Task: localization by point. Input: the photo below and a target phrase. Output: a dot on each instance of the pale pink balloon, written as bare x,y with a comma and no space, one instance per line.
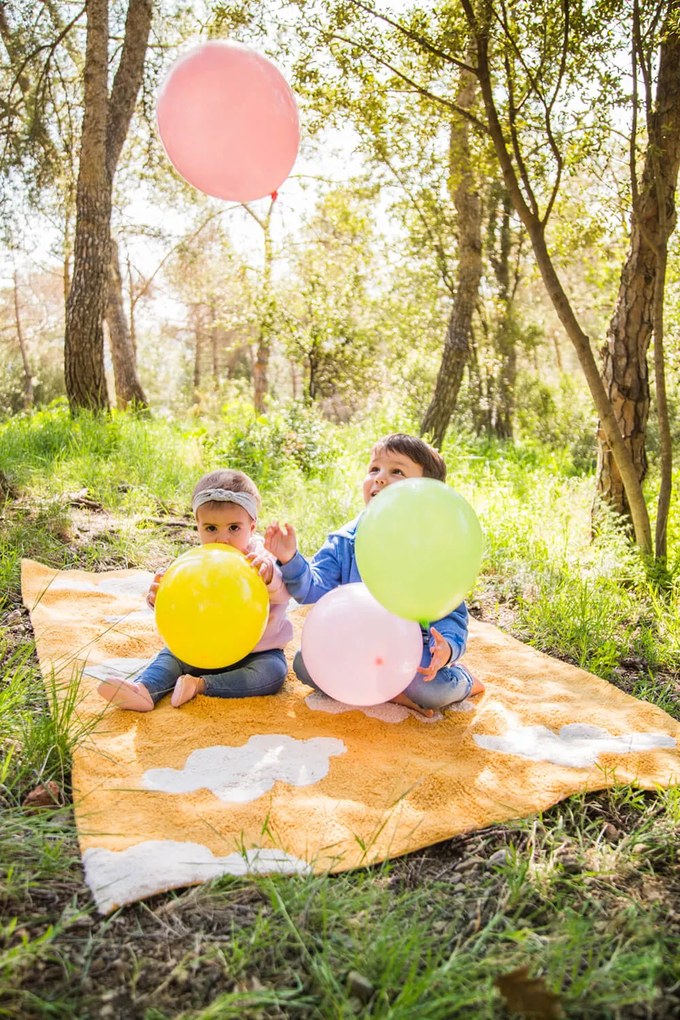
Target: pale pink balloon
356,650
229,121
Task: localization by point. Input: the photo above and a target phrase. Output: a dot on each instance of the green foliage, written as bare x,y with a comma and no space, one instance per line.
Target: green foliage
559,417
269,445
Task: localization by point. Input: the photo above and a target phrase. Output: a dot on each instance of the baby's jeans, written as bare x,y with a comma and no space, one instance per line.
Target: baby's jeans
451,684
257,674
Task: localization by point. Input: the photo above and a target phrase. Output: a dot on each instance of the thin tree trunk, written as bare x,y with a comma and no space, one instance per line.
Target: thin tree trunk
214,349
128,387
468,274
504,404
261,368
198,351
580,340
28,379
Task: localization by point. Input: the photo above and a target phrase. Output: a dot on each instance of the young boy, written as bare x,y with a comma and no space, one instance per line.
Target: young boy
226,505
439,681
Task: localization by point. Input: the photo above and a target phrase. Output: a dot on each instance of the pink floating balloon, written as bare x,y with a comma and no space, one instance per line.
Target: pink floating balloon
356,650
229,121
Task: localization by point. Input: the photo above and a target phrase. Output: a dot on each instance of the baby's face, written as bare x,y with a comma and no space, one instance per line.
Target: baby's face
386,467
228,523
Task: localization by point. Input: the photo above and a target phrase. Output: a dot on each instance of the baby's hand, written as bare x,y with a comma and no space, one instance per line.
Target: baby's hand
441,654
281,541
151,594
263,565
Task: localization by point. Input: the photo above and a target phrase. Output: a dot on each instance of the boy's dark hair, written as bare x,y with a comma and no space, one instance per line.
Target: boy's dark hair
417,450
225,478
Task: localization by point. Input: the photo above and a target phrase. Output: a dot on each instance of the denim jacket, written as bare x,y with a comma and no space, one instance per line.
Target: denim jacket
335,564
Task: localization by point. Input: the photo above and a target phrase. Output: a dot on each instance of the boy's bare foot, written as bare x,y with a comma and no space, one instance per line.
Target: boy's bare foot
186,688
125,694
403,699
477,687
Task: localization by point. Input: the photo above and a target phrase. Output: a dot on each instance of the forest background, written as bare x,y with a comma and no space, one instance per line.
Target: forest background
478,244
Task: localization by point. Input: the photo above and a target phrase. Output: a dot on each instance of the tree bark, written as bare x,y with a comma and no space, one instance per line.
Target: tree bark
503,411
105,125
86,304
28,378
128,387
624,364
261,367
468,274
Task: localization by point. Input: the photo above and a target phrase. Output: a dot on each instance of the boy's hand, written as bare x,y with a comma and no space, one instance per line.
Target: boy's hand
441,654
281,541
263,565
153,589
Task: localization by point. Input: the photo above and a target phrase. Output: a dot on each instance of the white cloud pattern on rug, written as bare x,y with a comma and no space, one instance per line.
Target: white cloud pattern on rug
119,877
135,614
120,668
240,774
575,745
136,584
386,712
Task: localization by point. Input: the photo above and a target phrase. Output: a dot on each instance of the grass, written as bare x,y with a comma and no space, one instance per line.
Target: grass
585,895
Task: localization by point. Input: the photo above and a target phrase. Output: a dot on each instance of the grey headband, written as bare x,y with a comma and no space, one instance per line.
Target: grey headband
243,499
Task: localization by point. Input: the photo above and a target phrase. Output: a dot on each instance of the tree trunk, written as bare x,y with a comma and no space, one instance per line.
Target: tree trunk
198,353
128,387
506,349
624,367
28,378
468,274
261,367
86,304
105,126
579,339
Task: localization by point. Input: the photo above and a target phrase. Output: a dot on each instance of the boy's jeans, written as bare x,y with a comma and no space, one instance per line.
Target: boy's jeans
451,684
257,674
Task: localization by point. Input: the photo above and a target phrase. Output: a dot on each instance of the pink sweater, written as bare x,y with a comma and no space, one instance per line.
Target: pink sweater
279,629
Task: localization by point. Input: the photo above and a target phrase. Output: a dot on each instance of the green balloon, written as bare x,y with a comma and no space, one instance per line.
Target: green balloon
419,548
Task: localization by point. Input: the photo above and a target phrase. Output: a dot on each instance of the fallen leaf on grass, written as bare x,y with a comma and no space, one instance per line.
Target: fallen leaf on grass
528,996
46,795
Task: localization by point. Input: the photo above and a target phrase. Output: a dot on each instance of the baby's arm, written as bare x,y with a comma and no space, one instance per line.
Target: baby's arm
270,572
264,565
153,589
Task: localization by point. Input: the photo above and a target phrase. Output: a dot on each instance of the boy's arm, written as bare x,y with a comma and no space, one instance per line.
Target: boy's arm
307,580
454,628
276,588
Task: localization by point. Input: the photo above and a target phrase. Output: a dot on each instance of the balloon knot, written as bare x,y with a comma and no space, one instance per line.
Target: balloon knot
275,195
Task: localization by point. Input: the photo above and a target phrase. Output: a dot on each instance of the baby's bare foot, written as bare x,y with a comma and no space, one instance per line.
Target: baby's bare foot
477,687
403,699
125,694
186,688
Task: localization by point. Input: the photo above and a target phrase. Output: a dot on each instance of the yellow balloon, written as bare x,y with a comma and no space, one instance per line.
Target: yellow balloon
211,606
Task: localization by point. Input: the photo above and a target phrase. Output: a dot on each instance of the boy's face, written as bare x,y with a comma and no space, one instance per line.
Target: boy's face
386,467
228,523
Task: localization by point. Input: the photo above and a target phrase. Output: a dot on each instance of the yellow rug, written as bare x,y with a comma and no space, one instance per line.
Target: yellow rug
297,782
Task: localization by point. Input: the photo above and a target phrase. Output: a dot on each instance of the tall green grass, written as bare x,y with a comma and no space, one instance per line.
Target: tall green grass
591,601
579,894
